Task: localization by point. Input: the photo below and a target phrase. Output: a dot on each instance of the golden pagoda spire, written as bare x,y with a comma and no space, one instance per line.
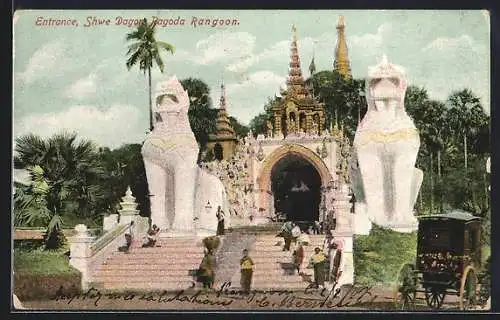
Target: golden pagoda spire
341,63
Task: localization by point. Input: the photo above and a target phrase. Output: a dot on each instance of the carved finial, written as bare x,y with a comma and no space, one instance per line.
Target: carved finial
341,23
128,193
384,59
223,96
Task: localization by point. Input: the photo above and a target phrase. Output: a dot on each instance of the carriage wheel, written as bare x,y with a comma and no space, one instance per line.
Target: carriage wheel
468,285
434,297
405,288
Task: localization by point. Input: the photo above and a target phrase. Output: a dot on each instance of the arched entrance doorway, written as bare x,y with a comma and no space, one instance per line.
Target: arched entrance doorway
296,188
275,162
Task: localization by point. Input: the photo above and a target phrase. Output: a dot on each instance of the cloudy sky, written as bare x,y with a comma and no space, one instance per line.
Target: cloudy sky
74,77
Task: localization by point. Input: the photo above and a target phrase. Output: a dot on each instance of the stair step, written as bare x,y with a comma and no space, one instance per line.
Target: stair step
144,273
146,286
157,255
137,267
127,279
166,263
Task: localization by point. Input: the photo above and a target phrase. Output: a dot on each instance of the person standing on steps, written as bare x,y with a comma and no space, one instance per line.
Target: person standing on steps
318,262
298,256
246,265
206,271
286,233
220,221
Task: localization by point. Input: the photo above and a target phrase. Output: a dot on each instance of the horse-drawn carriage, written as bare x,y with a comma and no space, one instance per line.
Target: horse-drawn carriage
448,262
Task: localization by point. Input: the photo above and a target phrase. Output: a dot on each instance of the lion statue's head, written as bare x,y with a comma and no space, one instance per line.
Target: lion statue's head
170,96
386,84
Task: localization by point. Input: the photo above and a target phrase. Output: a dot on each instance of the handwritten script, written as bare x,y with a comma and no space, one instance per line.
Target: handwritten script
225,296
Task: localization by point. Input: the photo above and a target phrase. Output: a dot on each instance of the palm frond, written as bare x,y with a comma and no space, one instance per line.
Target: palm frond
29,150
166,46
159,61
132,60
55,223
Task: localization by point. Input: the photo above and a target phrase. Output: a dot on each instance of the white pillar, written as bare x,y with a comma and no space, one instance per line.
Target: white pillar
80,252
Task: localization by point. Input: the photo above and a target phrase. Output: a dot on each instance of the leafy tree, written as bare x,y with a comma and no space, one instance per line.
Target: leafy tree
258,123
127,169
202,117
466,116
239,129
344,99
145,50
66,162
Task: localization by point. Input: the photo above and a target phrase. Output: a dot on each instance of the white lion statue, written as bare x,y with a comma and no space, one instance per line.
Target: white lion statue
386,145
182,195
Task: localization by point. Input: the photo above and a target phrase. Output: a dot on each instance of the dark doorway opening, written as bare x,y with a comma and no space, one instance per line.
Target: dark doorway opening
218,152
296,187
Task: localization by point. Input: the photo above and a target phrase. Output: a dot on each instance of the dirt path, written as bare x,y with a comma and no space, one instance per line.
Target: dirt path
349,298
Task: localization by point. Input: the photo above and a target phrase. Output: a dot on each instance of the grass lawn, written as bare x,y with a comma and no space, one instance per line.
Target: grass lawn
43,262
379,256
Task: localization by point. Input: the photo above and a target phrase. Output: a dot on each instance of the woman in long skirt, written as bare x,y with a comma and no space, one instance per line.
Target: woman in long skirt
318,261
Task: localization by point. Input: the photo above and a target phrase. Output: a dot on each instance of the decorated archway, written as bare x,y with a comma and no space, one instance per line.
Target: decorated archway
285,159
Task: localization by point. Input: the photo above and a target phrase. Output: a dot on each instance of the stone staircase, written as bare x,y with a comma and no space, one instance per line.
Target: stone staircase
168,267
229,254
151,269
273,267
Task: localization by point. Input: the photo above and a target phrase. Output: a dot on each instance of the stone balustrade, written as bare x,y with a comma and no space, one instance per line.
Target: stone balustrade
88,252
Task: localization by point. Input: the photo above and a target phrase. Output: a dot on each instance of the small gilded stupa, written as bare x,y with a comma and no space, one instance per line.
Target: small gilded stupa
297,111
223,142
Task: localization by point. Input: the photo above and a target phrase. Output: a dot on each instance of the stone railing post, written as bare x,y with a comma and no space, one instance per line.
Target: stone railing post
342,206
80,252
110,222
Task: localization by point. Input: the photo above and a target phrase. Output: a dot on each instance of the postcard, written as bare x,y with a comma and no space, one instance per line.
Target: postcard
254,160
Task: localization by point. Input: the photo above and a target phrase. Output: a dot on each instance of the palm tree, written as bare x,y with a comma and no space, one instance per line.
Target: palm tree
146,50
465,112
41,203
66,179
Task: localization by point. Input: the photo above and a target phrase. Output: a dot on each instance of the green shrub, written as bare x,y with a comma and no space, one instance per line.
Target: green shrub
42,261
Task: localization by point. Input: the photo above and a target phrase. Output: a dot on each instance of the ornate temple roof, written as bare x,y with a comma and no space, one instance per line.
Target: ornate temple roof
295,82
341,63
296,88
224,129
